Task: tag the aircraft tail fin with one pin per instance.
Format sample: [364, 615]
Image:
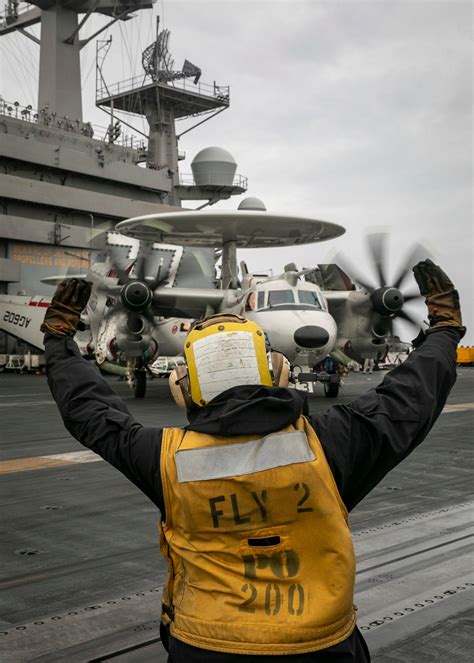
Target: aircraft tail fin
[22, 316]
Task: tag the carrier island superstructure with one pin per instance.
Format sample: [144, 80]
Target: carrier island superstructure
[62, 183]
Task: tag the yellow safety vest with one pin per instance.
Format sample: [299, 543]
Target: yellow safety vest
[257, 541]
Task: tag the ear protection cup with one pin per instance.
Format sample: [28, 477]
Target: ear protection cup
[179, 386]
[280, 367]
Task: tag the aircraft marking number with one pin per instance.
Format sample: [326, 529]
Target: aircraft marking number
[16, 319]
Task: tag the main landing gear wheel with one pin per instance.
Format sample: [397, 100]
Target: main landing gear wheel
[140, 384]
[331, 389]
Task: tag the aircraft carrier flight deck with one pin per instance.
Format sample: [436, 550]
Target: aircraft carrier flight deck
[81, 573]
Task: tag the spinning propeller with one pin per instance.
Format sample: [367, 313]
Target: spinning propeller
[134, 293]
[387, 300]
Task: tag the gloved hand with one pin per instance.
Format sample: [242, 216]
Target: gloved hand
[63, 315]
[440, 295]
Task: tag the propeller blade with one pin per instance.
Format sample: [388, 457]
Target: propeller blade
[103, 284]
[348, 268]
[409, 318]
[409, 297]
[417, 253]
[140, 267]
[119, 270]
[110, 290]
[157, 280]
[376, 243]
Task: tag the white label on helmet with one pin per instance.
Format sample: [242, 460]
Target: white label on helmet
[225, 360]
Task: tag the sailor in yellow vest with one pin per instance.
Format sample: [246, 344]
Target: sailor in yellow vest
[254, 494]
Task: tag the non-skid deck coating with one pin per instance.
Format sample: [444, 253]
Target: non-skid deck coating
[81, 575]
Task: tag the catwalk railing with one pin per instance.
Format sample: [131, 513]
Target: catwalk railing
[51, 119]
[219, 92]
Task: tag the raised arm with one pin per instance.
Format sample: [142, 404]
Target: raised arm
[367, 438]
[90, 409]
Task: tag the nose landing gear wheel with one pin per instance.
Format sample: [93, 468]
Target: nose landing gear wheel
[331, 389]
[139, 387]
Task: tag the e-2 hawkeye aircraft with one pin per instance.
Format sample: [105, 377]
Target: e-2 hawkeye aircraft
[309, 315]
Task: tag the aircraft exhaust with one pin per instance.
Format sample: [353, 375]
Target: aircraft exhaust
[136, 324]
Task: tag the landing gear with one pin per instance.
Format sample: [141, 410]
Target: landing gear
[306, 379]
[331, 389]
[139, 383]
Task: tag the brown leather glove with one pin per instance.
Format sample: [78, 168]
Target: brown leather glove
[440, 295]
[63, 315]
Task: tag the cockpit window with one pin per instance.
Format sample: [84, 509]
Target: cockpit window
[261, 299]
[309, 297]
[276, 297]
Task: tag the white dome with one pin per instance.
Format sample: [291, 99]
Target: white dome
[213, 166]
[214, 154]
[253, 204]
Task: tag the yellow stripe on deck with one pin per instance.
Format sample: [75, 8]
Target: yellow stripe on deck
[45, 462]
[458, 407]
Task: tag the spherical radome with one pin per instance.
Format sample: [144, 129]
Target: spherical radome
[213, 166]
[252, 203]
[214, 154]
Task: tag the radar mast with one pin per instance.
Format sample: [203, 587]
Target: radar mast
[164, 96]
[60, 44]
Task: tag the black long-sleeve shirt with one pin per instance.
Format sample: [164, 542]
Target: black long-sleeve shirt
[362, 440]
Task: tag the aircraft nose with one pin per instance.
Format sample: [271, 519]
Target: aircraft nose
[311, 336]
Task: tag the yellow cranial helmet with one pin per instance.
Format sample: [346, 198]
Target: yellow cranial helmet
[222, 351]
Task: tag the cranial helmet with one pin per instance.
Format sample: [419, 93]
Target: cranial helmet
[224, 351]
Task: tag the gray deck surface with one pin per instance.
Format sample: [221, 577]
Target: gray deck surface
[81, 574]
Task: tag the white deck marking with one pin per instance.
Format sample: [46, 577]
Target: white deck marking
[86, 456]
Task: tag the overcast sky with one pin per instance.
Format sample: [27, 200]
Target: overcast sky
[354, 112]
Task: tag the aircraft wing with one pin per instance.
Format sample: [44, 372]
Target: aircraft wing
[188, 302]
[336, 296]
[56, 280]
[22, 316]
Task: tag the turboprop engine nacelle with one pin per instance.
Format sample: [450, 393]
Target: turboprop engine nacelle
[364, 329]
[130, 333]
